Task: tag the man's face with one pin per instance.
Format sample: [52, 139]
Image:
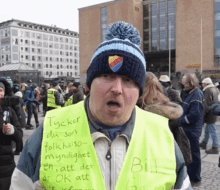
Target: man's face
[113, 98]
[2, 93]
[185, 82]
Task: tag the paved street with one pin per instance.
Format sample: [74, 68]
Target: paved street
[210, 169]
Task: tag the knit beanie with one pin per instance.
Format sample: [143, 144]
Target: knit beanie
[119, 54]
[2, 85]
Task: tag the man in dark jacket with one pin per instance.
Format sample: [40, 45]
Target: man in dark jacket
[172, 94]
[210, 97]
[192, 121]
[10, 130]
[31, 103]
[44, 98]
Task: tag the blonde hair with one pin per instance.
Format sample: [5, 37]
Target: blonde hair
[192, 79]
[153, 91]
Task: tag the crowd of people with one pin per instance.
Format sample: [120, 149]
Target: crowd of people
[128, 129]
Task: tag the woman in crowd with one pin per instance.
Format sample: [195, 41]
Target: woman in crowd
[154, 100]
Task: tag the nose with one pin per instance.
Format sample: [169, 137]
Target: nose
[117, 86]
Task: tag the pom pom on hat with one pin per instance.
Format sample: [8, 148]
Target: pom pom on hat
[119, 54]
[123, 30]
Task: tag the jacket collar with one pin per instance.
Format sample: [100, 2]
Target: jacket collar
[209, 86]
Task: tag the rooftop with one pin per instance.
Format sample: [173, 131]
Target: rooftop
[17, 67]
[34, 26]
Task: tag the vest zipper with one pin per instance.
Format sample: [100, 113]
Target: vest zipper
[108, 155]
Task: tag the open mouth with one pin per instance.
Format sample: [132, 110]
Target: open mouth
[113, 104]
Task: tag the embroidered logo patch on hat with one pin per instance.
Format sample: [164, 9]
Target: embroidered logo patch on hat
[115, 62]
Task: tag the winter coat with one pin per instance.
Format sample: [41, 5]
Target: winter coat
[193, 112]
[77, 96]
[30, 97]
[7, 163]
[210, 97]
[173, 112]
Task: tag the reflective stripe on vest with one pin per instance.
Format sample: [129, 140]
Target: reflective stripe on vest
[51, 99]
[69, 158]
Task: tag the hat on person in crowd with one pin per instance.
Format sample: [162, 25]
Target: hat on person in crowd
[164, 78]
[55, 83]
[119, 54]
[207, 81]
[2, 85]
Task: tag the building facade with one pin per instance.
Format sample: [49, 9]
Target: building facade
[52, 51]
[187, 30]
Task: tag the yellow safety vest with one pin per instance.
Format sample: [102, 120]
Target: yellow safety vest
[69, 101]
[51, 99]
[69, 159]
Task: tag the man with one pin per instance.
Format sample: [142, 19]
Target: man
[54, 97]
[105, 142]
[44, 98]
[31, 104]
[192, 121]
[172, 94]
[10, 130]
[210, 97]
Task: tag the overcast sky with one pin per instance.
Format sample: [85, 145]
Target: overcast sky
[63, 13]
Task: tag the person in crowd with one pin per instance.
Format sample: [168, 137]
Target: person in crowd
[217, 84]
[23, 88]
[155, 101]
[31, 104]
[77, 93]
[172, 94]
[54, 97]
[38, 91]
[10, 130]
[108, 142]
[18, 108]
[210, 98]
[44, 98]
[85, 89]
[192, 122]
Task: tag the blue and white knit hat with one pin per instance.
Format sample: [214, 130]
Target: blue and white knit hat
[119, 54]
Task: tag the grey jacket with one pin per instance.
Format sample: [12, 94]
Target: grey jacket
[210, 98]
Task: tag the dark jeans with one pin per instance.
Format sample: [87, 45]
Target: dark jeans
[194, 169]
[5, 183]
[32, 110]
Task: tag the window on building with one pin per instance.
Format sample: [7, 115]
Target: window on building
[26, 41]
[58, 73]
[57, 59]
[26, 57]
[46, 58]
[46, 65]
[33, 65]
[61, 39]
[46, 72]
[50, 45]
[33, 35]
[61, 60]
[71, 74]
[51, 59]
[50, 65]
[67, 66]
[61, 53]
[61, 66]
[75, 60]
[39, 36]
[67, 60]
[39, 58]
[61, 73]
[67, 73]
[66, 47]
[33, 58]
[26, 49]
[6, 57]
[75, 67]
[57, 66]
[33, 43]
[71, 67]
[61, 46]
[38, 50]
[71, 54]
[56, 39]
[45, 36]
[67, 53]
[75, 54]
[76, 74]
[39, 66]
